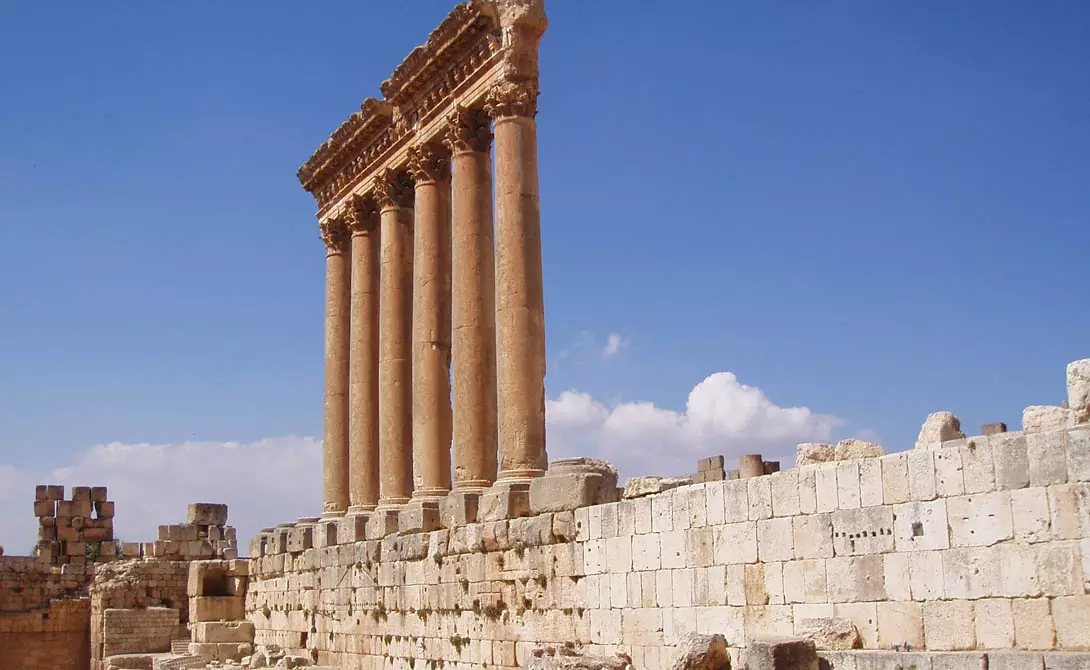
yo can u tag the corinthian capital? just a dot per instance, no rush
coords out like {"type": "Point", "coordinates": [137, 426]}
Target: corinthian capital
{"type": "Point", "coordinates": [429, 164]}
{"type": "Point", "coordinates": [360, 213]}
{"type": "Point", "coordinates": [508, 99]}
{"type": "Point", "coordinates": [334, 232]}
{"type": "Point", "coordinates": [393, 188]}
{"type": "Point", "coordinates": [468, 130]}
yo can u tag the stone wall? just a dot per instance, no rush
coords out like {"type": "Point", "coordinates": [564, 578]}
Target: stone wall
{"type": "Point", "coordinates": [138, 631]}
{"type": "Point", "coordinates": [49, 637]}
{"type": "Point", "coordinates": [977, 543]}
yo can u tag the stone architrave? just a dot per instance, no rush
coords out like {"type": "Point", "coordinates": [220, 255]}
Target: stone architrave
{"type": "Point", "coordinates": [363, 389]}
{"type": "Point", "coordinates": [469, 138]}
{"type": "Point", "coordinates": [520, 315]}
{"type": "Point", "coordinates": [394, 196]}
{"type": "Point", "coordinates": [429, 166]}
{"type": "Point", "coordinates": [334, 233]}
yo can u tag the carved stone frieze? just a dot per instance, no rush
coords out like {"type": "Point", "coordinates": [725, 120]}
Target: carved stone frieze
{"type": "Point", "coordinates": [468, 130]}
{"type": "Point", "coordinates": [508, 99]}
{"type": "Point", "coordinates": [334, 233]}
{"type": "Point", "coordinates": [429, 163]}
{"type": "Point", "coordinates": [361, 214]}
{"type": "Point", "coordinates": [393, 188]}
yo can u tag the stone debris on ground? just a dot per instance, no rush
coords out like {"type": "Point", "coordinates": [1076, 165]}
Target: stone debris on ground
{"type": "Point", "coordinates": [698, 651]}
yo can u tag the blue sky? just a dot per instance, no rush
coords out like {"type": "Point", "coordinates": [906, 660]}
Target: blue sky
{"type": "Point", "coordinates": [871, 210]}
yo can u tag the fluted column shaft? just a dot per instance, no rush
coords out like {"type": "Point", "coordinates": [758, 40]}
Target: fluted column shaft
{"type": "Point", "coordinates": [430, 169]}
{"type": "Point", "coordinates": [520, 312]}
{"type": "Point", "coordinates": [394, 196]}
{"type": "Point", "coordinates": [363, 389]}
{"type": "Point", "coordinates": [337, 328]}
{"type": "Point", "coordinates": [469, 137]}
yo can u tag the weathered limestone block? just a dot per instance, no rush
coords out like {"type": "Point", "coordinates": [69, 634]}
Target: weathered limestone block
{"type": "Point", "coordinates": [1045, 417]}
{"type": "Point", "coordinates": [939, 427]}
{"type": "Point", "coordinates": [949, 625]}
{"type": "Point", "coordinates": [980, 520]}
{"type": "Point", "coordinates": [1010, 459]}
{"type": "Point", "coordinates": [1078, 389]}
{"type": "Point", "coordinates": [220, 651]}
{"type": "Point", "coordinates": [701, 652]}
{"type": "Point", "coordinates": [852, 449]}
{"type": "Point", "coordinates": [551, 658]}
{"type": "Point", "coordinates": [810, 453]}
{"type": "Point", "coordinates": [1047, 459]}
{"type": "Point", "coordinates": [1071, 615]}
{"type": "Point", "coordinates": [419, 516]}
{"type": "Point", "coordinates": [207, 514]}
{"type": "Point", "coordinates": [506, 500]}
{"type": "Point", "coordinates": [781, 653]}
{"type": "Point", "coordinates": [570, 483]}
{"type": "Point", "coordinates": [1078, 454]}
{"type": "Point", "coordinates": [104, 509]}
{"type": "Point", "coordinates": [210, 608]}
{"type": "Point", "coordinates": [637, 487]}
{"type": "Point", "coordinates": [865, 530]}
{"type": "Point", "coordinates": [51, 492]}
{"type": "Point", "coordinates": [223, 631]}
{"type": "Point", "coordinates": [829, 633]}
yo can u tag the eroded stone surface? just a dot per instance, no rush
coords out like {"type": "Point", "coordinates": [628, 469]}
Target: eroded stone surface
{"type": "Point", "coordinates": [937, 428]}
{"type": "Point", "coordinates": [638, 487]}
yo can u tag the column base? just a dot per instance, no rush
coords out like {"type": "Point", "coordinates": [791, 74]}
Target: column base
{"type": "Point", "coordinates": [327, 532]}
{"type": "Point", "coordinates": [520, 475]}
{"type": "Point", "coordinates": [505, 500]}
{"type": "Point", "coordinates": [382, 522]}
{"type": "Point", "coordinates": [429, 494]}
{"type": "Point", "coordinates": [460, 507]}
{"type": "Point", "coordinates": [353, 527]}
{"type": "Point", "coordinates": [360, 509]}
{"type": "Point", "coordinates": [419, 516]}
{"type": "Point", "coordinates": [335, 514]}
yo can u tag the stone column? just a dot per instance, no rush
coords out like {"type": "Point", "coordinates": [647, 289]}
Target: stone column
{"type": "Point", "coordinates": [335, 418]}
{"type": "Point", "coordinates": [394, 195]}
{"type": "Point", "coordinates": [520, 314]}
{"type": "Point", "coordinates": [430, 169]}
{"type": "Point", "coordinates": [469, 138]}
{"type": "Point", "coordinates": [363, 416]}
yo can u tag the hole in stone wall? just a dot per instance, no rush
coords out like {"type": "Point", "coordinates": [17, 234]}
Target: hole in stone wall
{"type": "Point", "coordinates": [215, 583]}
{"type": "Point", "coordinates": [303, 640]}
{"type": "Point", "coordinates": [917, 529]}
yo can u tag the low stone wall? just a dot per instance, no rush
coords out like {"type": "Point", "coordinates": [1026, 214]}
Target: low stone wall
{"type": "Point", "coordinates": [29, 583]}
{"type": "Point", "coordinates": [138, 631]}
{"type": "Point", "coordinates": [978, 543]}
{"type": "Point", "coordinates": [51, 637]}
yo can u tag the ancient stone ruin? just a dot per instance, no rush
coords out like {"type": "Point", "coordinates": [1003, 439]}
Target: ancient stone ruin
{"type": "Point", "coordinates": [448, 539]}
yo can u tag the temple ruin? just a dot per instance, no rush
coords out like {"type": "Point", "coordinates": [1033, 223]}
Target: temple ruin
{"type": "Point", "coordinates": [447, 538]}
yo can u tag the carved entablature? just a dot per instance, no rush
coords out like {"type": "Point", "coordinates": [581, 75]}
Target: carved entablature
{"type": "Point", "coordinates": [393, 188]}
{"type": "Point", "coordinates": [468, 130]}
{"type": "Point", "coordinates": [479, 41]}
{"type": "Point", "coordinates": [334, 232]}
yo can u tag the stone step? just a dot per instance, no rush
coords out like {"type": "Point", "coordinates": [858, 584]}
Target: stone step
{"type": "Point", "coordinates": [179, 647]}
{"type": "Point", "coordinates": [180, 663]}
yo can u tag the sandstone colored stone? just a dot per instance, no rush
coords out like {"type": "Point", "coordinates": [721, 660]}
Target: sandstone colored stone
{"type": "Point", "coordinates": [207, 514]}
{"type": "Point", "coordinates": [637, 487]}
{"type": "Point", "coordinates": [852, 449]}
{"type": "Point", "coordinates": [1045, 417]}
{"type": "Point", "coordinates": [829, 633]}
{"type": "Point", "coordinates": [939, 427]}
{"type": "Point", "coordinates": [551, 658]}
{"type": "Point", "coordinates": [571, 483]}
{"type": "Point", "coordinates": [701, 652]}
{"type": "Point", "coordinates": [1078, 389]}
{"type": "Point", "coordinates": [505, 500]}
{"type": "Point", "coordinates": [781, 653]}
{"type": "Point", "coordinates": [809, 453]}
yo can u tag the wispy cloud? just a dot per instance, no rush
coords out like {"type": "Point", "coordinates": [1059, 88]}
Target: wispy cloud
{"type": "Point", "coordinates": [614, 344]}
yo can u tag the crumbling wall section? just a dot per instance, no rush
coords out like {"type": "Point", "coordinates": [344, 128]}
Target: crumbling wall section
{"type": "Point", "coordinates": [973, 543]}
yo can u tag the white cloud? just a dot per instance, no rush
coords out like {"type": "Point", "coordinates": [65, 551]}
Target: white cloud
{"type": "Point", "coordinates": [722, 416]}
{"type": "Point", "coordinates": [276, 480]}
{"type": "Point", "coordinates": [614, 344]}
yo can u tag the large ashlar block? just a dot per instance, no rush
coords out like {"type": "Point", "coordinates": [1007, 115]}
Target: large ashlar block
{"type": "Point", "coordinates": [1078, 454]}
{"type": "Point", "coordinates": [419, 516]}
{"type": "Point", "coordinates": [921, 474]}
{"type": "Point", "coordinates": [1071, 617]}
{"type": "Point", "coordinates": [896, 486]}
{"type": "Point", "coordinates": [826, 487]}
{"type": "Point", "coordinates": [863, 618]}
{"type": "Point", "coordinates": [223, 631]}
{"type": "Point", "coordinates": [759, 490]}
{"type": "Point", "coordinates": [847, 485]}
{"type": "Point", "coordinates": [1033, 627]}
{"type": "Point", "coordinates": [855, 578]}
{"type": "Point", "coordinates": [994, 623]}
{"type": "Point", "coordinates": [1018, 570]}
{"type": "Point", "coordinates": [736, 543]}
{"type": "Point", "coordinates": [807, 489]}
{"type": "Point", "coordinates": [736, 501]}
{"type": "Point", "coordinates": [1069, 507]}
{"type": "Point", "coordinates": [104, 509]}
{"type": "Point", "coordinates": [1030, 515]}
{"type": "Point", "coordinates": [949, 480]}
{"type": "Point", "coordinates": [45, 508]}
{"type": "Point", "coordinates": [898, 580]}
{"type": "Point", "coordinates": [870, 482]}
{"type": "Point", "coordinates": [949, 625]}
{"type": "Point", "coordinates": [1047, 457]}
{"type": "Point", "coordinates": [977, 469]}
{"type": "Point", "coordinates": [300, 538]}
{"type": "Point", "coordinates": [51, 492]}
{"type": "Point", "coordinates": [570, 483]}
{"type": "Point", "coordinates": [505, 500]}
{"type": "Point", "coordinates": [813, 535]}
{"type": "Point", "coordinates": [714, 497]}
{"type": "Point", "coordinates": [382, 522]}
{"type": "Point", "coordinates": [980, 520]}
{"type": "Point", "coordinates": [1010, 460]}
{"type": "Point", "coordinates": [785, 493]}
{"type": "Point", "coordinates": [925, 573]}
{"type": "Point", "coordinates": [866, 530]}
{"type": "Point", "coordinates": [1015, 660]}
{"type": "Point", "coordinates": [220, 651]}
{"type": "Point", "coordinates": [919, 526]}
{"type": "Point", "coordinates": [775, 540]}
{"type": "Point", "coordinates": [207, 514]}
{"type": "Point", "coordinates": [1059, 568]}
{"type": "Point", "coordinates": [899, 623]}
{"type": "Point", "coordinates": [1078, 389]}
{"type": "Point", "coordinates": [209, 608]}
{"type": "Point", "coordinates": [971, 572]}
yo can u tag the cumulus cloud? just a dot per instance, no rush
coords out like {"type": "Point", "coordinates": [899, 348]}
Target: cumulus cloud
{"type": "Point", "coordinates": [263, 483]}
{"type": "Point", "coordinates": [614, 344]}
{"type": "Point", "coordinates": [721, 416]}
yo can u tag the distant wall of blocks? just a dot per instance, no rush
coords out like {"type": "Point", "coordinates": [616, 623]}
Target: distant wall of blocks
{"type": "Point", "coordinates": [77, 531]}
{"type": "Point", "coordinates": [979, 543]}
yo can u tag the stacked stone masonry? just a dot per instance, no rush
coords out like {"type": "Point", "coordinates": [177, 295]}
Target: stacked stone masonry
{"type": "Point", "coordinates": [974, 543]}
{"type": "Point", "coordinates": [77, 531]}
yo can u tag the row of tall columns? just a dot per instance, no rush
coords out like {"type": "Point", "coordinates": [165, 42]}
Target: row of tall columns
{"type": "Point", "coordinates": [431, 295]}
